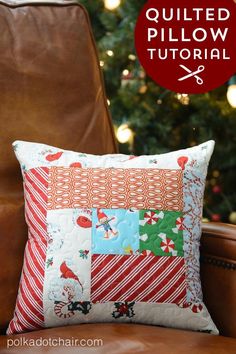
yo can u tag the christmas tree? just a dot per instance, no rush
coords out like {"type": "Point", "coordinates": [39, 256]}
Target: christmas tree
{"type": "Point", "coordinates": [160, 120]}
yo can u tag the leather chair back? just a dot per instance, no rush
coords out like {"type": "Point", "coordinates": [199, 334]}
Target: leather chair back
{"type": "Point", "coordinates": [52, 92]}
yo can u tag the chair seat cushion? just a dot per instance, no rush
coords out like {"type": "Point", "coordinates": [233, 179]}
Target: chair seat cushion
{"type": "Point", "coordinates": [118, 338]}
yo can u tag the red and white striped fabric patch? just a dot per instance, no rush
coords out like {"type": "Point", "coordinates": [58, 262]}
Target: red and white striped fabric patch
{"type": "Point", "coordinates": [138, 278]}
{"type": "Point", "coordinates": [28, 313]}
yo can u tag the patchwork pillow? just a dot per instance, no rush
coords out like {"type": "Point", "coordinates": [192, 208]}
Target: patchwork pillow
{"type": "Point", "coordinates": [112, 238]}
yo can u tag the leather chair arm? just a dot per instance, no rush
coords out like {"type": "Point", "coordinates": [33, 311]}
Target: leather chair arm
{"type": "Point", "coordinates": [218, 274]}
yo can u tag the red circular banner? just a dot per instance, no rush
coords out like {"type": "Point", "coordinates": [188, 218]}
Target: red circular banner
{"type": "Point", "coordinates": [187, 46]}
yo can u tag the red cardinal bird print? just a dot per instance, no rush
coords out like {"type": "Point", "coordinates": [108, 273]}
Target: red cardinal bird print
{"type": "Point", "coordinates": [53, 157]}
{"type": "Point", "coordinates": [182, 162]}
{"type": "Point", "coordinates": [67, 273]}
{"type": "Point", "coordinates": [76, 164]}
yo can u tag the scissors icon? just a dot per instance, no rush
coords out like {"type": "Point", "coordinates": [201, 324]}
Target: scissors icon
{"type": "Point", "coordinates": [193, 74]}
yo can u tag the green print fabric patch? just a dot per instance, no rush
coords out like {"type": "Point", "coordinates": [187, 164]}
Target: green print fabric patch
{"type": "Point", "coordinates": [161, 232]}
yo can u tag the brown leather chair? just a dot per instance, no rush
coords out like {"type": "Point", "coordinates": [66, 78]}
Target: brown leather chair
{"type": "Point", "coordinates": [52, 92]}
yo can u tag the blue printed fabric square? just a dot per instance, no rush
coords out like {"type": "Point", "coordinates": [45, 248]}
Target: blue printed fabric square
{"type": "Point", "coordinates": [115, 231]}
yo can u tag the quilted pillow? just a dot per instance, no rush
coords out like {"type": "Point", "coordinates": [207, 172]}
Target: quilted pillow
{"type": "Point", "coordinates": [112, 238]}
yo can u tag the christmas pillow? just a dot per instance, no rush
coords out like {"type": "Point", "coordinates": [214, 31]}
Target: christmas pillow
{"type": "Point", "coordinates": [112, 238]}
